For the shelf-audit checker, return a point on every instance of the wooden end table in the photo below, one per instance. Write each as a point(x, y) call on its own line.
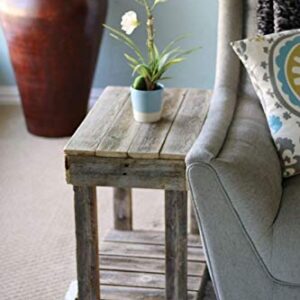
point(111, 149)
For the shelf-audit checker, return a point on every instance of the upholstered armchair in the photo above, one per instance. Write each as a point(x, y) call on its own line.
point(249, 216)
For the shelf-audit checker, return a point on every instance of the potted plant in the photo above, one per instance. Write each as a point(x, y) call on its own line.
point(147, 89)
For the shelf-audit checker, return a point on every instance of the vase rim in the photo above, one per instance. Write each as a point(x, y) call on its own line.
point(160, 87)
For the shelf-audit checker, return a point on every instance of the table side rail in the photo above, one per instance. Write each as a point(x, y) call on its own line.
point(126, 172)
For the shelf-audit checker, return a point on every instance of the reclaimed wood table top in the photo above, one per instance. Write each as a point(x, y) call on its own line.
point(109, 130)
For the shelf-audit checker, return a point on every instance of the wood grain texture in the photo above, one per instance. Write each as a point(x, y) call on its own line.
point(147, 237)
point(92, 130)
point(126, 173)
point(187, 125)
point(176, 245)
point(150, 280)
point(146, 251)
point(151, 137)
point(132, 277)
point(122, 209)
point(145, 265)
point(194, 229)
point(87, 243)
point(119, 138)
point(129, 293)
point(110, 292)
point(110, 130)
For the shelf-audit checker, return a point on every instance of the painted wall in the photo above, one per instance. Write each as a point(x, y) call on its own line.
point(195, 17)
point(6, 72)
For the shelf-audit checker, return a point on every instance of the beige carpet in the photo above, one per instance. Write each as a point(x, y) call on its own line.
point(37, 242)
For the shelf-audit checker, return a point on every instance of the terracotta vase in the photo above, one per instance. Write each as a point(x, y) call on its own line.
point(53, 46)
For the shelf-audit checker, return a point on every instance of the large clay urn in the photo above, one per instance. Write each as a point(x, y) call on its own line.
point(53, 46)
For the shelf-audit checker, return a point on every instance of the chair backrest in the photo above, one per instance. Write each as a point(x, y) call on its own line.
point(237, 20)
point(249, 29)
point(249, 19)
point(232, 26)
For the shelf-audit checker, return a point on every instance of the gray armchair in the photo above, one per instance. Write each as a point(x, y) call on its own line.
point(249, 217)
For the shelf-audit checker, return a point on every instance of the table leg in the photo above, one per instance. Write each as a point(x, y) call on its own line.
point(122, 209)
point(193, 221)
point(176, 245)
point(87, 243)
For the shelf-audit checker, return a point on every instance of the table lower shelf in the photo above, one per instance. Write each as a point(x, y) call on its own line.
point(132, 267)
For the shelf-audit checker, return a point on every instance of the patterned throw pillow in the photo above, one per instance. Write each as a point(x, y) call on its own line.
point(273, 64)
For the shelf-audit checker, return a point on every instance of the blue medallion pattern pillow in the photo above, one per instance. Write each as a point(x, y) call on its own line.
point(273, 64)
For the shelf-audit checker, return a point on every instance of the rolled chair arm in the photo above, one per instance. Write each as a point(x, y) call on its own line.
point(214, 132)
point(224, 97)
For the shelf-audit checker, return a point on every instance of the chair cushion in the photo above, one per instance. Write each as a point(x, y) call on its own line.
point(273, 63)
point(249, 170)
point(286, 234)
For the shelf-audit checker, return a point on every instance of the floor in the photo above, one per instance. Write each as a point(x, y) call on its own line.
point(37, 257)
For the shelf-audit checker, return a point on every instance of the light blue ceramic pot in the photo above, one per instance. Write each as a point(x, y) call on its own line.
point(147, 105)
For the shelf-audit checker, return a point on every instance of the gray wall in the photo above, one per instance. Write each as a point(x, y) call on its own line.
point(195, 17)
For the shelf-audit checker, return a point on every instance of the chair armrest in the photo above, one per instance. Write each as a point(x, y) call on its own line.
point(223, 101)
point(214, 132)
point(247, 169)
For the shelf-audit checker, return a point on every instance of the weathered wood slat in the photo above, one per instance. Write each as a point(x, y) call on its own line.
point(194, 229)
point(90, 133)
point(176, 245)
point(120, 172)
point(122, 209)
point(145, 265)
point(130, 276)
point(134, 279)
point(146, 237)
point(193, 222)
point(146, 251)
point(128, 293)
point(151, 137)
point(187, 125)
point(87, 242)
point(119, 138)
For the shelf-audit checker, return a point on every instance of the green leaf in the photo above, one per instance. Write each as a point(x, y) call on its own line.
point(139, 55)
point(172, 43)
point(132, 66)
point(167, 56)
point(165, 78)
point(156, 52)
point(155, 60)
point(118, 35)
point(187, 52)
point(143, 70)
point(131, 59)
point(166, 66)
point(157, 2)
point(140, 2)
point(172, 62)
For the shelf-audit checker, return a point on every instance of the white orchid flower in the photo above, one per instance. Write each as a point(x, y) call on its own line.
point(129, 22)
